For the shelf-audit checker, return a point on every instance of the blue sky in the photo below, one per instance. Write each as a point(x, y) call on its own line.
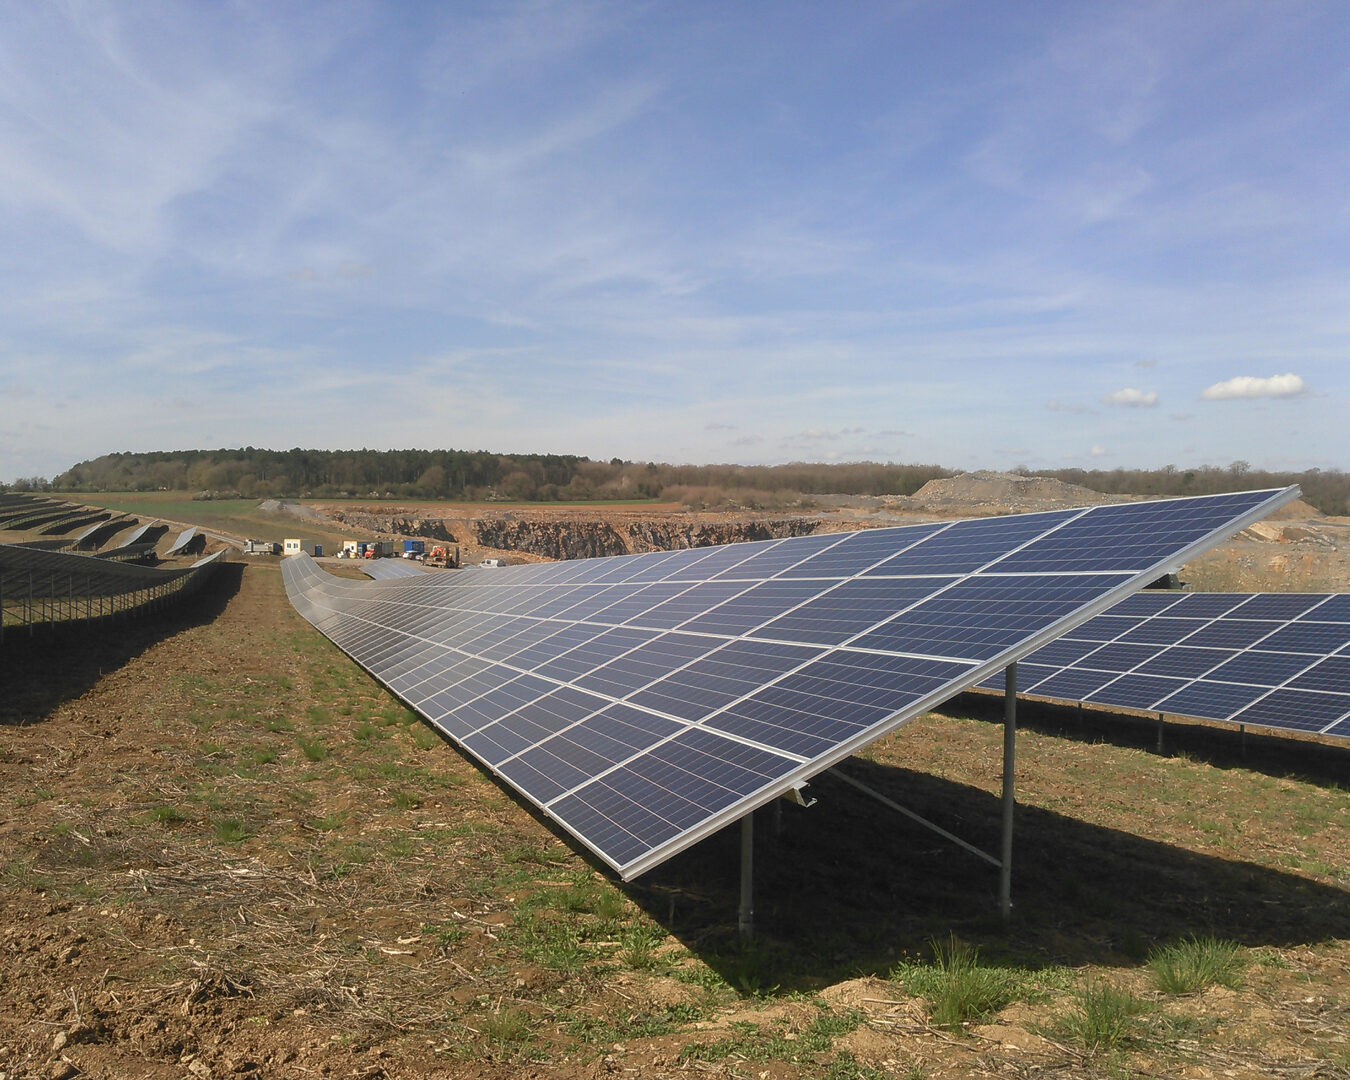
point(976, 234)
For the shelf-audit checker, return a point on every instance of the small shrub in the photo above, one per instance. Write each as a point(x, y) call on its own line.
point(1190, 965)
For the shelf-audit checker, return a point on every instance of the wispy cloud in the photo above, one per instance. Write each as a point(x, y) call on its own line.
point(654, 233)
point(1132, 397)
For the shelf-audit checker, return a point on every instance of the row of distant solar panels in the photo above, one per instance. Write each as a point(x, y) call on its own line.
point(1274, 660)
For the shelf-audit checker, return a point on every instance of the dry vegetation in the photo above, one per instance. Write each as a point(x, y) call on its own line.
point(224, 851)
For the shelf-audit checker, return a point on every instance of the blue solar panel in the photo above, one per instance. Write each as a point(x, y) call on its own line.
point(1183, 662)
point(1261, 668)
point(1163, 631)
point(1137, 691)
point(1117, 656)
point(1300, 710)
point(1331, 675)
point(1333, 609)
point(1230, 665)
point(1210, 700)
point(646, 701)
point(965, 546)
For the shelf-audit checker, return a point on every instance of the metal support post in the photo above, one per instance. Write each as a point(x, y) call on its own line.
point(1160, 733)
point(746, 919)
point(1009, 796)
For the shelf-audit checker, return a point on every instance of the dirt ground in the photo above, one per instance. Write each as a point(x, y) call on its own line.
point(225, 851)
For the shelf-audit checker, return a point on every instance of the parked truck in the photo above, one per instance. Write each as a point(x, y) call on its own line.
point(444, 555)
point(261, 547)
point(379, 549)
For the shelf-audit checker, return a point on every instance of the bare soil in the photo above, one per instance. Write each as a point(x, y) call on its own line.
point(225, 851)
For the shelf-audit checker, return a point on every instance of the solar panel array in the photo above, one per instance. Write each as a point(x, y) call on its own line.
point(389, 569)
point(645, 701)
point(1274, 660)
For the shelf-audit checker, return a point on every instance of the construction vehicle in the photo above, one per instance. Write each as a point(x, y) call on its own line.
point(444, 555)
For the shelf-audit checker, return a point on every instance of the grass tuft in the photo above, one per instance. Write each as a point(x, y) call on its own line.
point(314, 749)
point(956, 987)
point(1103, 1017)
point(1190, 965)
point(509, 1027)
point(231, 830)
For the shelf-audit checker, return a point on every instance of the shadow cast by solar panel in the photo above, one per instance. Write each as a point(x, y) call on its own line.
point(1325, 763)
point(58, 662)
point(848, 887)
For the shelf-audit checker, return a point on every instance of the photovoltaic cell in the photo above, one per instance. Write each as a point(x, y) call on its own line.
point(645, 701)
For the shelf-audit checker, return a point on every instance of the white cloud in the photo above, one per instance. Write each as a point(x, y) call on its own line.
point(1098, 450)
point(1066, 407)
point(1134, 398)
point(1249, 386)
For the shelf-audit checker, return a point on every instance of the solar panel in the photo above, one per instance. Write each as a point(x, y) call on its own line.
point(644, 702)
point(184, 540)
point(389, 569)
point(1273, 660)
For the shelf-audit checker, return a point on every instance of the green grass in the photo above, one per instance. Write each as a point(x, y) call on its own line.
point(957, 988)
point(231, 830)
point(166, 815)
point(636, 1025)
point(509, 1027)
point(313, 749)
point(1102, 1017)
point(1192, 964)
point(751, 1042)
point(639, 948)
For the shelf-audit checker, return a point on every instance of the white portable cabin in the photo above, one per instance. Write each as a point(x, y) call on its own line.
point(295, 547)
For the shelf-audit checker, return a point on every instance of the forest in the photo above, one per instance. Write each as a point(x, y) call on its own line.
point(476, 476)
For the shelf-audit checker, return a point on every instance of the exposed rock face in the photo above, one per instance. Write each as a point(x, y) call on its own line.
point(552, 539)
point(669, 535)
point(585, 539)
point(431, 528)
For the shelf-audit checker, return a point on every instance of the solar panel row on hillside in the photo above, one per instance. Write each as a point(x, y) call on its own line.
point(1275, 660)
point(645, 701)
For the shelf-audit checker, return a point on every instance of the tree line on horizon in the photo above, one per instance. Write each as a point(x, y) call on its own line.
point(475, 476)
